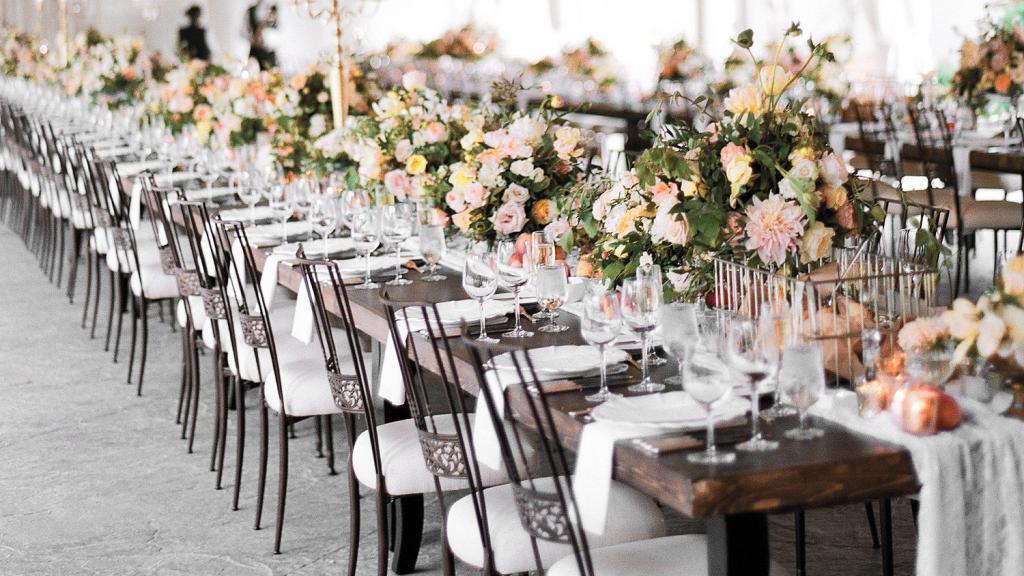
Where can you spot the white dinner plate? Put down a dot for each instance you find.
(666, 410)
(562, 361)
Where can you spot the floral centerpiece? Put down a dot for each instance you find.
(515, 169)
(759, 183)
(241, 107)
(680, 62)
(991, 65)
(590, 62)
(20, 58)
(466, 43)
(180, 100)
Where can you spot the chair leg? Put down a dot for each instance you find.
(144, 314)
(282, 480)
(915, 507)
(121, 304)
(318, 435)
(189, 382)
(98, 273)
(353, 500)
(801, 544)
(195, 391)
(75, 255)
(184, 375)
(382, 528)
(63, 243)
(88, 285)
(886, 512)
(223, 429)
(218, 398)
(110, 309)
(239, 437)
(329, 434)
(262, 482)
(870, 510)
(134, 312)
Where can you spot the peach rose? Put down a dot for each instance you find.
(398, 184)
(663, 192)
(435, 132)
(833, 170)
(816, 242)
(455, 199)
(543, 211)
(845, 217)
(202, 113)
(516, 193)
(463, 220)
(475, 195)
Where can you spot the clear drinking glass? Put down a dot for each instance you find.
(353, 202)
(302, 198)
(280, 206)
(397, 224)
(652, 274)
(204, 165)
(680, 335)
(513, 275)
(480, 281)
(366, 239)
(552, 291)
(323, 214)
(541, 253)
(706, 390)
(247, 192)
(432, 246)
(745, 355)
(641, 304)
(803, 378)
(775, 332)
(600, 325)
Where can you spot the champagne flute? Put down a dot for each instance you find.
(513, 275)
(803, 377)
(541, 253)
(480, 281)
(745, 355)
(680, 335)
(324, 216)
(706, 390)
(397, 228)
(552, 291)
(776, 334)
(366, 239)
(641, 302)
(600, 326)
(432, 246)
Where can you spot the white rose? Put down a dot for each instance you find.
(816, 242)
(516, 193)
(804, 169)
(403, 150)
(528, 129)
(317, 125)
(671, 228)
(414, 80)
(833, 170)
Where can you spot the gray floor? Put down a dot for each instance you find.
(94, 480)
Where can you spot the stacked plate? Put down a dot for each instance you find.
(558, 362)
(453, 314)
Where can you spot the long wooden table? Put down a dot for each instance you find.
(841, 468)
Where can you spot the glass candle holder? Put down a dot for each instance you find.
(872, 398)
(921, 411)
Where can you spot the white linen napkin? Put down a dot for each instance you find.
(972, 487)
(595, 455)
(135, 203)
(245, 215)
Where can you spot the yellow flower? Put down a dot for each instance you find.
(816, 243)
(462, 176)
(627, 224)
(744, 99)
(739, 173)
(416, 164)
(774, 79)
(543, 211)
(203, 128)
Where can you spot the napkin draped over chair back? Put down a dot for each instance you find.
(546, 505)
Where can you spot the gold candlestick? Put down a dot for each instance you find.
(334, 13)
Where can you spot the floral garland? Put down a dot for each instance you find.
(588, 62)
(466, 43)
(992, 64)
(181, 99)
(759, 183)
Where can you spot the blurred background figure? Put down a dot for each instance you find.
(192, 38)
(261, 19)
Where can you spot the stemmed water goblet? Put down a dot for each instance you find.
(600, 325)
(397, 227)
(279, 205)
(246, 189)
(301, 199)
(803, 378)
(541, 253)
(680, 333)
(365, 239)
(776, 333)
(323, 214)
(432, 246)
(480, 281)
(706, 389)
(641, 303)
(513, 275)
(745, 355)
(552, 289)
(652, 274)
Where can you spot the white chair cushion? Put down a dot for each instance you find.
(198, 312)
(288, 350)
(631, 516)
(152, 282)
(685, 555)
(305, 388)
(402, 464)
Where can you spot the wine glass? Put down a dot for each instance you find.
(680, 335)
(247, 191)
(652, 274)
(324, 216)
(353, 202)
(480, 281)
(366, 239)
(397, 226)
(641, 302)
(280, 206)
(203, 164)
(540, 253)
(776, 332)
(513, 275)
(301, 198)
(706, 389)
(552, 291)
(600, 325)
(803, 377)
(432, 246)
(745, 355)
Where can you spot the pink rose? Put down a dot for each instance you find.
(475, 195)
(833, 170)
(509, 219)
(557, 228)
(732, 151)
(455, 200)
(435, 132)
(398, 184)
(845, 217)
(663, 192)
(463, 219)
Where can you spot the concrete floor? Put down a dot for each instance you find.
(95, 481)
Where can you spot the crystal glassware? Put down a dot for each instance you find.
(552, 288)
(600, 325)
(652, 274)
(803, 378)
(513, 274)
(775, 333)
(745, 355)
(432, 246)
(480, 281)
(541, 253)
(641, 304)
(680, 335)
(323, 214)
(366, 239)
(706, 390)
(397, 224)
(247, 192)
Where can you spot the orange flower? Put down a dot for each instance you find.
(1003, 83)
